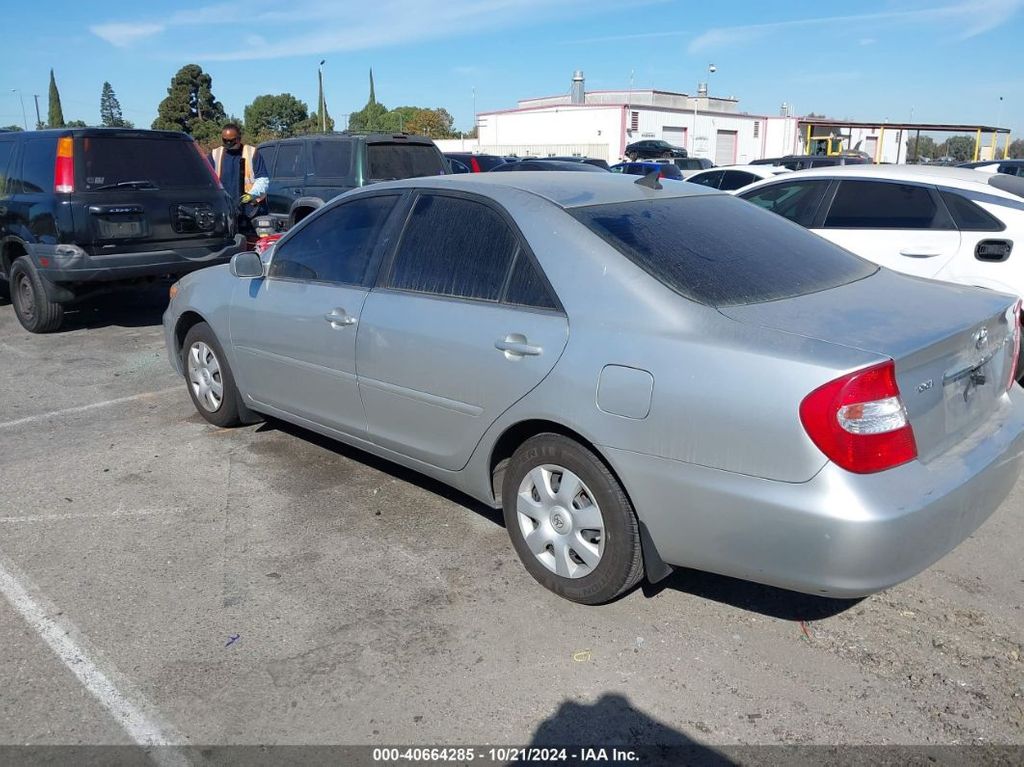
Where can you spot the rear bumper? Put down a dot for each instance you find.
(840, 534)
(71, 264)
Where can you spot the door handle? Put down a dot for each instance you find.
(515, 346)
(920, 252)
(339, 318)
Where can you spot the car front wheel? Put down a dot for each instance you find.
(570, 520)
(211, 384)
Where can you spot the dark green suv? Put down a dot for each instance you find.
(307, 171)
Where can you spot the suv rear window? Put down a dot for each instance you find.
(720, 251)
(106, 161)
(332, 158)
(391, 161)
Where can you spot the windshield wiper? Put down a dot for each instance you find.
(141, 184)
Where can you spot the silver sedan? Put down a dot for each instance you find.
(640, 375)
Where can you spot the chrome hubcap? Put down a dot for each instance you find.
(560, 521)
(205, 377)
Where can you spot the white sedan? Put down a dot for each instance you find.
(952, 224)
(728, 178)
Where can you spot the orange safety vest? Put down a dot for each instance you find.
(248, 152)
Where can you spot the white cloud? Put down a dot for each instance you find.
(126, 34)
(973, 17)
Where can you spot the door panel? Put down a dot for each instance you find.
(432, 378)
(294, 345)
(919, 252)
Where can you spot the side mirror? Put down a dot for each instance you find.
(246, 265)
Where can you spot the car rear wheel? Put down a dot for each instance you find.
(570, 520)
(34, 309)
(210, 382)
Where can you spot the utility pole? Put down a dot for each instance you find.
(39, 120)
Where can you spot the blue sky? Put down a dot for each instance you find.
(940, 60)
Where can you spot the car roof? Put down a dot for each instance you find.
(564, 188)
(930, 174)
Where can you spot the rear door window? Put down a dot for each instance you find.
(736, 179)
(711, 179)
(391, 161)
(719, 251)
(38, 158)
(968, 216)
(332, 159)
(268, 153)
(885, 205)
(527, 287)
(289, 162)
(337, 245)
(6, 150)
(104, 162)
(455, 247)
(796, 200)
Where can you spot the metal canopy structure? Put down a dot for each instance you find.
(812, 124)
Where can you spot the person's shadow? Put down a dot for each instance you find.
(613, 724)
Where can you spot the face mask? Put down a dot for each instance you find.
(233, 146)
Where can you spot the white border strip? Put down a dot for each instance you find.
(86, 408)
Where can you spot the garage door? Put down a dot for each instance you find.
(725, 148)
(674, 135)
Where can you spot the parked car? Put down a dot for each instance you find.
(649, 148)
(731, 177)
(1009, 167)
(665, 169)
(595, 161)
(950, 224)
(306, 171)
(457, 166)
(545, 165)
(803, 162)
(86, 210)
(640, 377)
(477, 163)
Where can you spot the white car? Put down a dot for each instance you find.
(952, 224)
(728, 178)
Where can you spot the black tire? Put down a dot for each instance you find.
(229, 411)
(5, 291)
(620, 566)
(33, 308)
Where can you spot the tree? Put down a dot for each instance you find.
(76, 124)
(1016, 150)
(190, 105)
(436, 123)
(274, 116)
(960, 148)
(369, 118)
(110, 109)
(11, 128)
(313, 124)
(55, 118)
(925, 147)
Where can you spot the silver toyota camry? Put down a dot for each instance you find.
(641, 375)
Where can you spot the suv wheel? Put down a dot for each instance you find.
(34, 309)
(211, 384)
(570, 520)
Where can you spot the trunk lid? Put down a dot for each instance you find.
(139, 192)
(952, 345)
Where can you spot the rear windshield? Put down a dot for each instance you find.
(332, 158)
(107, 161)
(722, 251)
(390, 161)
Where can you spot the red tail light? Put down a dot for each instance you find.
(859, 421)
(1016, 318)
(64, 166)
(206, 164)
(474, 165)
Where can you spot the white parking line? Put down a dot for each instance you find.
(59, 634)
(86, 408)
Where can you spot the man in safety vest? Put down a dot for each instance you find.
(242, 172)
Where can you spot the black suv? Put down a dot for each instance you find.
(307, 171)
(650, 149)
(82, 210)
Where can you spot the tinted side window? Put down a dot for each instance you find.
(6, 150)
(453, 247)
(884, 205)
(527, 287)
(968, 216)
(38, 156)
(796, 200)
(712, 179)
(332, 158)
(335, 246)
(736, 179)
(268, 154)
(289, 161)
